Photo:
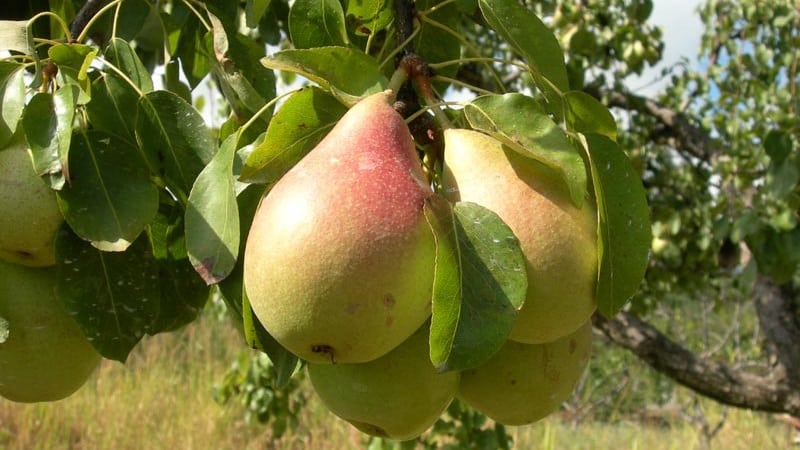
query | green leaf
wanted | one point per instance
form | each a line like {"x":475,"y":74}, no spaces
{"x":533,"y":41}
{"x":369,"y":16}
{"x":480,"y":284}
{"x":517,"y":121}
{"x":12,"y":99}
{"x":212,"y":217}
{"x":114,"y":297}
{"x":111,"y":198}
{"x":175,"y":139}
{"x":436,"y":43}
{"x":113,"y":106}
{"x":183,"y":293}
{"x":246,"y":84}
{"x":624,"y":235}
{"x":776,"y":252}
{"x":47,"y":121}
{"x":302,"y":121}
{"x":317,"y":23}
{"x":119,"y":53}
{"x":348,"y":73}
{"x":254,"y":11}
{"x":778,"y":145}
{"x":15,"y":36}
{"x":584,"y":114}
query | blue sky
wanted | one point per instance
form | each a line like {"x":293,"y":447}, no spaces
{"x":682,"y":30}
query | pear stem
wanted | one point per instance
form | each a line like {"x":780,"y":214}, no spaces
{"x":399,"y":77}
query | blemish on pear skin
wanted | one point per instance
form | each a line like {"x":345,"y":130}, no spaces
{"x":388,"y":301}
{"x":389,"y":321}
{"x":573,"y":345}
{"x":324,"y":349}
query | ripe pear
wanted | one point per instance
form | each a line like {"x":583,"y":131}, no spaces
{"x":30,"y":217}
{"x":397,"y":396}
{"x":339,"y":259}
{"x":523,"y":383}
{"x":557,"y":239}
{"x":45,"y":355}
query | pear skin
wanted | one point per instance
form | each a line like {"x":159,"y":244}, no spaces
{"x":557,"y":239}
{"x":339,"y":260}
{"x":523,"y":383}
{"x":45,"y":356}
{"x":397,"y":396}
{"x":31,"y":217}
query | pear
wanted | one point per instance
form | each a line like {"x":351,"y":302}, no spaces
{"x":338,"y":264}
{"x":45,"y":355}
{"x":30,"y":217}
{"x":523,"y":383}
{"x":557,"y":239}
{"x":397,"y":396}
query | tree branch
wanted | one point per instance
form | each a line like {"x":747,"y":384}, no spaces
{"x":675,"y":130}
{"x":721,"y":382}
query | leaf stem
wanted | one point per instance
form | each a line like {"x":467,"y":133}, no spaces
{"x":52,"y":15}
{"x":81,"y":37}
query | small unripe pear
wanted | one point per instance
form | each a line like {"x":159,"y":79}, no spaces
{"x":557,"y":239}
{"x":45,"y":356}
{"x":339,"y":260}
{"x":30,"y":217}
{"x":523,"y":383}
{"x":397,"y":396}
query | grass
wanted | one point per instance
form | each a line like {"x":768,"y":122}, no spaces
{"x":162,"y":399}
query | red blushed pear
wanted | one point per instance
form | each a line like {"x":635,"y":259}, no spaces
{"x":557,"y":238}
{"x":339,"y":260}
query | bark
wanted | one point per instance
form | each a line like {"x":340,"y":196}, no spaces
{"x":775,"y":391}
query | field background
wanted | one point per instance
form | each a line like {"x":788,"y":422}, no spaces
{"x":163,"y":398}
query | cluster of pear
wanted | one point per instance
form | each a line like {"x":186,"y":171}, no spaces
{"x":339,"y":267}
{"x":44,"y":355}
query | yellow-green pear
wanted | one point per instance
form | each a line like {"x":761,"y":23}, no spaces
{"x":339,"y":260}
{"x":30,"y":216}
{"x":558,"y":239}
{"x":523,"y":383}
{"x":397,"y":396}
{"x":45,"y":355}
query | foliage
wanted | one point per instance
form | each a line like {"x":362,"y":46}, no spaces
{"x":250,"y":382}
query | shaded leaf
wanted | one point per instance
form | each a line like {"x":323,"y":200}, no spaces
{"x":212,"y":217}
{"x":113,"y":106}
{"x":254,"y":10}
{"x":624,"y":234}
{"x":517,"y":121}
{"x":480,"y":284}
{"x":317,"y":23}
{"x":111,"y":198}
{"x":175,"y":139}
{"x":183,"y":293}
{"x":347,"y":72}
{"x":302,"y":121}
{"x":113,"y":296}
{"x":12,"y":99}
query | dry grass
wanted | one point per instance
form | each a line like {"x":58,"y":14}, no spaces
{"x":162,"y":400}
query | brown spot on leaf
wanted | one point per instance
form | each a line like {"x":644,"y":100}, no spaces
{"x":205,"y":269}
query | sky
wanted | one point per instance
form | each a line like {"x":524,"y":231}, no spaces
{"x":681,"y":29}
